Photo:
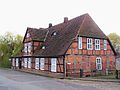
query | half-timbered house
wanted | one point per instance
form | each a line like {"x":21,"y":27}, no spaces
{"x":66,"y":48}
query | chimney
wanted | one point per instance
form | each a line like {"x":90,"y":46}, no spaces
{"x":50,"y":25}
{"x":65,"y":19}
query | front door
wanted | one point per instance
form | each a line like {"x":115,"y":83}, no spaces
{"x":53,"y":64}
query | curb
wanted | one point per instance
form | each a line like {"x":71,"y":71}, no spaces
{"x":95,"y":80}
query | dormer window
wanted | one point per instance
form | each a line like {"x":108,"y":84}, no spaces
{"x":54,"y":34}
{"x":43,"y":47}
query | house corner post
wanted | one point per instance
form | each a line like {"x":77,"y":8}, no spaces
{"x":64,"y":66}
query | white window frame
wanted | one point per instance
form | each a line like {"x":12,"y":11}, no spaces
{"x":17,"y":62}
{"x":25,"y":62}
{"x":25,"y":47}
{"x":89,"y":44}
{"x":97,"y":44}
{"x":98,"y":63}
{"x":53,"y":64}
{"x":13,"y":62}
{"x":42,"y":63}
{"x":28,"y":35}
{"x":105,"y":44}
{"x":29,"y":63}
{"x":79,"y":42}
{"x":37,"y":63}
{"x":29,"y":47}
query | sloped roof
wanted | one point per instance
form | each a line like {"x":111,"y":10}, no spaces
{"x":36,"y":34}
{"x":66,"y":32}
{"x":90,"y":29}
{"x":57,"y":45}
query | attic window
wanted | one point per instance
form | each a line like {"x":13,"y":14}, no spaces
{"x":54,"y":34}
{"x":43,"y":47}
{"x":28,"y":35}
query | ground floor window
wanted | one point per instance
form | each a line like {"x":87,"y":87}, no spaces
{"x":25,"y":62}
{"x":37,"y":66}
{"x":29,"y":62}
{"x":13,"y":62}
{"x":42,"y":63}
{"x":17,"y":62}
{"x":98,"y":63}
{"x":53,"y":64}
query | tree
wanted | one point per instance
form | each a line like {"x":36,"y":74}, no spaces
{"x":9,"y":45}
{"x":115,"y":39}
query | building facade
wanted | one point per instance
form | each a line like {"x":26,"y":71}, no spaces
{"x":66,"y":48}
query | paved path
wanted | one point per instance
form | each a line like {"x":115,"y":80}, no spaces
{"x":15,"y":80}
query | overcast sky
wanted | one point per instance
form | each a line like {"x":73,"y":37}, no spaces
{"x":17,"y":15}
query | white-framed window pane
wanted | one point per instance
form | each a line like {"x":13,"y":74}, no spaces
{"x":97,"y":44}
{"x":37,"y":63}
{"x":29,"y":62}
{"x":98,"y":63}
{"x":13,"y":61}
{"x":79,"y":42}
{"x":17,"y":62}
{"x":25,"y":47}
{"x":29,"y":47}
{"x":89,"y":44}
{"x":53,"y":64}
{"x":28,"y":35}
{"x":25,"y":62}
{"x":105,"y":44}
{"x":42,"y":63}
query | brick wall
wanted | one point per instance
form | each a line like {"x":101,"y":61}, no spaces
{"x":86,"y":59}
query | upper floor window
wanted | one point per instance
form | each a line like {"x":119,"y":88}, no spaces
{"x":28,"y":35}
{"x":105,"y":44}
{"x":98,"y":63}
{"x":89,"y":44}
{"x":79,"y":42}
{"x":97,"y":44}
{"x":29,"y":47}
{"x":25,"y":47}
{"x":43,"y":47}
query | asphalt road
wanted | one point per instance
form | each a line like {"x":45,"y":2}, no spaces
{"x":15,"y":80}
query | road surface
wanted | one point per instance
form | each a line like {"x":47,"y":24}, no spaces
{"x":15,"y":80}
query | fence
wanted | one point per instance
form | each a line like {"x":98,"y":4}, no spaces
{"x":84,"y":69}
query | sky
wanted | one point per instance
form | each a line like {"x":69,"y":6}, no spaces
{"x":17,"y":15}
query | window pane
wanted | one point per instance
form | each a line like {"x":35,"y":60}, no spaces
{"x":79,"y":42}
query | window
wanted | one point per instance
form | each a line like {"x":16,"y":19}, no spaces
{"x":43,"y":47}
{"x":98,"y":63}
{"x":25,"y":62}
{"x":29,"y":62}
{"x":53,"y":64}
{"x":17,"y":60}
{"x":105,"y":44}
{"x":13,"y":62}
{"x":28,"y":35}
{"x":97,"y":44}
{"x":79,"y":42}
{"x":54,"y":33}
{"x":42,"y":63}
{"x":25,"y":47}
{"x":37,"y":63}
{"x":29,"y":47}
{"x":89,"y":44}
